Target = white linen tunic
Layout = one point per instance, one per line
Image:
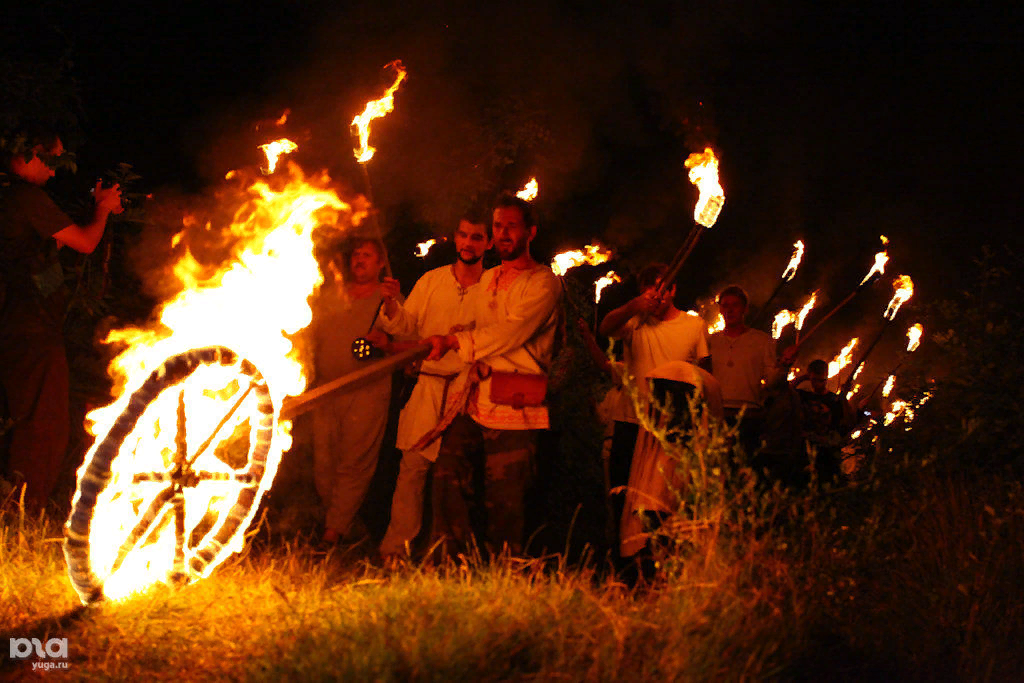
(436, 304)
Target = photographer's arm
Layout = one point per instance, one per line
(84, 238)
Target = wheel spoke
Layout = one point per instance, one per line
(224, 421)
(142, 526)
(179, 533)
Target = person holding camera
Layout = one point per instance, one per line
(33, 362)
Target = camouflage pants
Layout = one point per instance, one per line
(479, 488)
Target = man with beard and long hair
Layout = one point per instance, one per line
(483, 473)
(441, 302)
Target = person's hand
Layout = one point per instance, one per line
(440, 345)
(648, 302)
(108, 198)
(389, 288)
(378, 338)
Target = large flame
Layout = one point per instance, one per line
(251, 304)
(914, 337)
(802, 315)
(529, 191)
(274, 150)
(374, 110)
(423, 248)
(898, 407)
(904, 287)
(842, 359)
(704, 174)
(603, 282)
(782, 319)
(798, 253)
(592, 254)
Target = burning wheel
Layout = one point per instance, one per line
(154, 503)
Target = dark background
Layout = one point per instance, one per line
(835, 122)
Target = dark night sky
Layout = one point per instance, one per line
(835, 122)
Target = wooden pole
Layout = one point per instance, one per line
(297, 405)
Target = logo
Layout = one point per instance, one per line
(52, 649)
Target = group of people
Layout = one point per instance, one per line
(472, 420)
(475, 412)
(471, 424)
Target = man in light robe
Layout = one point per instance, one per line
(441, 302)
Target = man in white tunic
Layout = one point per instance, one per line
(744, 363)
(441, 302)
(654, 332)
(511, 350)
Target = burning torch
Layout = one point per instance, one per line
(788, 274)
(704, 174)
(881, 258)
(904, 289)
(361, 126)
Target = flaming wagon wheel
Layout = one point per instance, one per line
(158, 493)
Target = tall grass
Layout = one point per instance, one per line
(752, 584)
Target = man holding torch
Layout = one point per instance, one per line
(654, 332)
(509, 353)
(442, 301)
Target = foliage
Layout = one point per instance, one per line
(35, 98)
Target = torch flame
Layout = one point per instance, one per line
(704, 174)
(718, 325)
(603, 282)
(842, 359)
(851, 392)
(782, 318)
(374, 110)
(794, 262)
(914, 337)
(252, 304)
(802, 315)
(898, 406)
(284, 118)
(592, 254)
(904, 287)
(423, 248)
(890, 382)
(529, 191)
(274, 150)
(881, 258)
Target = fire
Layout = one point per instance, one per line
(885, 240)
(274, 150)
(603, 282)
(881, 258)
(794, 262)
(898, 406)
(704, 174)
(859, 370)
(802, 315)
(782, 319)
(529, 191)
(904, 287)
(283, 118)
(914, 337)
(374, 110)
(851, 392)
(592, 254)
(251, 304)
(718, 325)
(423, 248)
(890, 382)
(842, 359)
